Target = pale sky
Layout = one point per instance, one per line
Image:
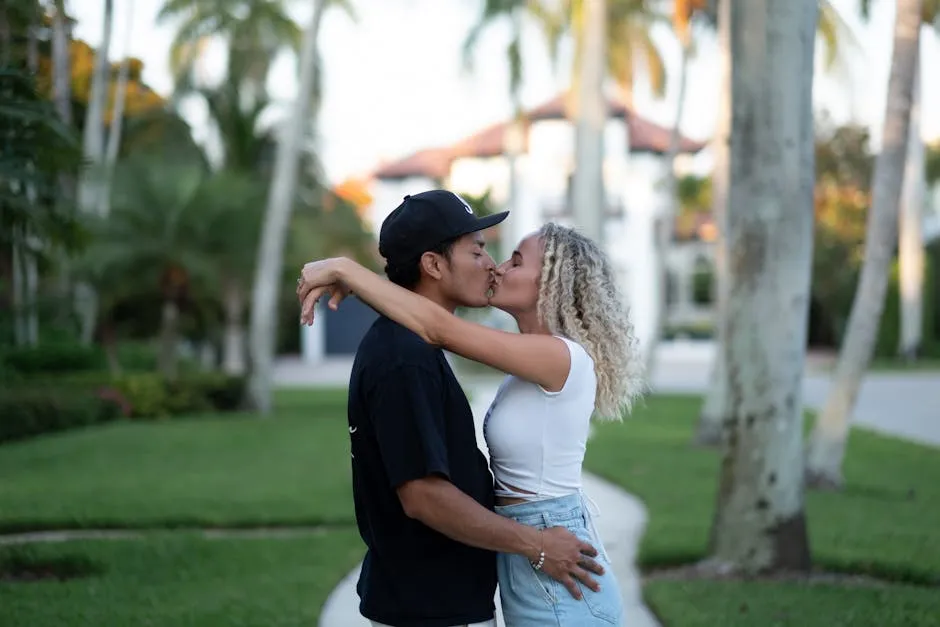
(393, 80)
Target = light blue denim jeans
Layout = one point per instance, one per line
(530, 598)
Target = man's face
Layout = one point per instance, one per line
(467, 278)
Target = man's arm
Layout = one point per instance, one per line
(408, 420)
(438, 504)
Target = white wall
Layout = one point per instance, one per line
(633, 180)
(475, 176)
(313, 338)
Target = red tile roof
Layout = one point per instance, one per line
(432, 162)
(645, 136)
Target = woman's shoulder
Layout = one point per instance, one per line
(575, 348)
(581, 360)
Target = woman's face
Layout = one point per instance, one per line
(516, 281)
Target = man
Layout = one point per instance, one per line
(423, 492)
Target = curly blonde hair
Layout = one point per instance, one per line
(579, 299)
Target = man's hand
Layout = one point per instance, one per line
(318, 278)
(567, 558)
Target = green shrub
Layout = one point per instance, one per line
(36, 409)
(137, 356)
(149, 395)
(145, 393)
(889, 330)
(79, 399)
(53, 358)
(224, 392)
(702, 286)
(691, 331)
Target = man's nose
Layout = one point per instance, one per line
(488, 262)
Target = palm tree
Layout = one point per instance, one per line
(117, 116)
(253, 30)
(281, 201)
(496, 10)
(93, 131)
(911, 243)
(590, 118)
(154, 240)
(715, 409)
(38, 148)
(233, 206)
(835, 35)
(630, 46)
(61, 68)
(90, 185)
(759, 521)
(828, 440)
(682, 21)
(910, 232)
(246, 147)
(608, 37)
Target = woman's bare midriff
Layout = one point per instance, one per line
(511, 500)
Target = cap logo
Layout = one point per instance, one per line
(464, 203)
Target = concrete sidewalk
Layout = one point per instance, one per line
(620, 524)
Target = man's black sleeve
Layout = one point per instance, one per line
(408, 418)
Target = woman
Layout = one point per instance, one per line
(574, 357)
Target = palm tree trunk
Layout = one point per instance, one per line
(911, 240)
(117, 118)
(591, 117)
(6, 39)
(109, 342)
(759, 522)
(18, 272)
(90, 182)
(61, 67)
(828, 441)
(274, 232)
(30, 276)
(715, 410)
(665, 222)
(233, 347)
(514, 141)
(62, 97)
(169, 325)
(93, 136)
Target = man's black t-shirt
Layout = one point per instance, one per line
(409, 419)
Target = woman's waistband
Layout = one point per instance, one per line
(548, 511)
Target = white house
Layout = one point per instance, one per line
(634, 168)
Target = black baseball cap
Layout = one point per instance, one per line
(423, 221)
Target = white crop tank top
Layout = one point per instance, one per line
(536, 439)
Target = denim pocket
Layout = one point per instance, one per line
(607, 604)
(526, 581)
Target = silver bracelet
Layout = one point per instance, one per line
(538, 565)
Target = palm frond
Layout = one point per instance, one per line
(835, 33)
(554, 19)
(347, 7)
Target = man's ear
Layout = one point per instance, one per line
(432, 263)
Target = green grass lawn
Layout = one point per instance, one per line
(791, 604)
(234, 470)
(293, 469)
(926, 364)
(884, 523)
(210, 471)
(181, 580)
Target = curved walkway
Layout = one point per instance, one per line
(621, 525)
